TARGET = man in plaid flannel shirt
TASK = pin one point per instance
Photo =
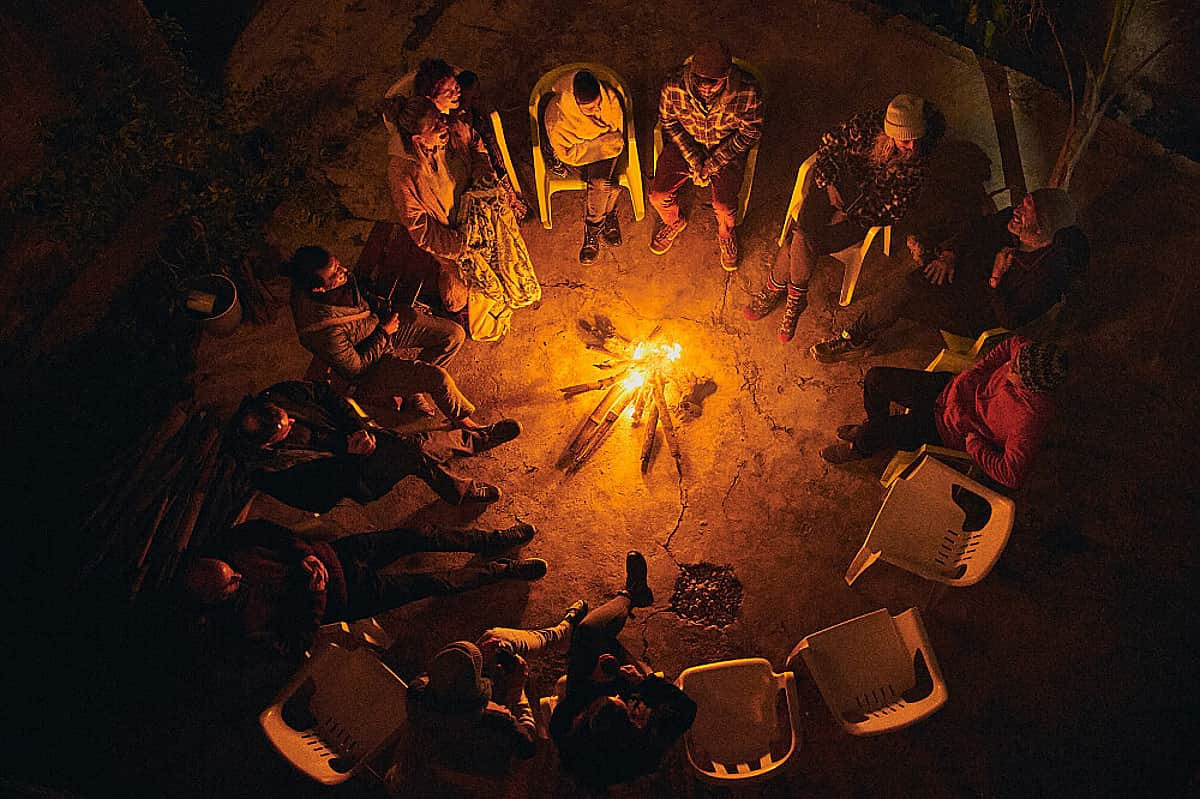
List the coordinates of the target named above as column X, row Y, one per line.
column 711, row 115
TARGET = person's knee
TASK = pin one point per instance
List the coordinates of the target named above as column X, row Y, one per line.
column 455, row 337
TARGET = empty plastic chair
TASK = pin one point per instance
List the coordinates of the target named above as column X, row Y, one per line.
column 939, row 524
column 852, row 257
column 343, row 708
column 629, row 166
column 732, row 739
column 877, row 673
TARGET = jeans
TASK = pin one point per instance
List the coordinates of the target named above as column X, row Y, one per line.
column 811, row 237
column 391, row 376
column 597, row 635
column 673, row 171
column 914, row 389
column 603, row 189
column 369, row 591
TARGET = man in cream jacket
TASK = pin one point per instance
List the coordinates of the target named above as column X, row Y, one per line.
column 585, row 126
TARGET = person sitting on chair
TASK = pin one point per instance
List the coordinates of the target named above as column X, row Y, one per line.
column 711, row 115
column 585, row 125
column 273, row 589
column 339, row 327
column 998, row 410
column 1005, row 270
column 868, row 172
column 309, row 448
column 617, row 718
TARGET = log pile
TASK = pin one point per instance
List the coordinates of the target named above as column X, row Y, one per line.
column 176, row 488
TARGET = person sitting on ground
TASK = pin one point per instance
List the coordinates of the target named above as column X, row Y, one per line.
column 585, row 125
column 1005, row 270
column 711, row 115
column 868, row 172
column 468, row 722
column 617, row 719
column 272, row 589
column 459, row 96
column 338, row 326
column 444, row 190
column 309, row 448
column 998, row 410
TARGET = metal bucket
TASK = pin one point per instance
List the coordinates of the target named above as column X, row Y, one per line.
column 213, row 301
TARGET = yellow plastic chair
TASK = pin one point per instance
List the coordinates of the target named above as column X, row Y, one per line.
column 357, row 706
column 868, row 671
column 404, row 88
column 737, row 720
column 751, row 157
column 902, row 462
column 922, row 527
column 854, row 255
column 629, row 166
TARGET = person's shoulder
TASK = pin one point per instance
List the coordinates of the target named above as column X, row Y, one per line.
column 674, row 78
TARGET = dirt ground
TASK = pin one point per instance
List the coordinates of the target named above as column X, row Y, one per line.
column 1068, row 667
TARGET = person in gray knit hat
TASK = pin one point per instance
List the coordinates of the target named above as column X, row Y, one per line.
column 1004, row 270
column 998, row 410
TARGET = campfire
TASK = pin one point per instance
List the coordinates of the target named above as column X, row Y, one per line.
column 638, row 381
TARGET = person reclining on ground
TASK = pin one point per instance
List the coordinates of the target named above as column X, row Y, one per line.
column 309, row 448
column 617, row 719
column 1004, row 270
column 271, row 588
column 467, row 722
column 998, row 410
column 585, row 126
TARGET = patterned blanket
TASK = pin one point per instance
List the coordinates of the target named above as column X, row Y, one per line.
column 496, row 262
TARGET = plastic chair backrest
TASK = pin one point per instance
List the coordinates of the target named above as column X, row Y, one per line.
column 860, row 665
column 359, row 703
column 735, row 716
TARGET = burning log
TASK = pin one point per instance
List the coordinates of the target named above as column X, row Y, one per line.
column 639, row 405
column 595, row 385
column 604, row 428
column 664, row 414
column 651, row 429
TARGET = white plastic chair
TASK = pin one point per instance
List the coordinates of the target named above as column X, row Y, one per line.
column 866, row 666
column 628, row 163
column 737, row 719
column 923, row 529
column 404, row 88
column 854, row 255
column 751, row 157
column 358, row 707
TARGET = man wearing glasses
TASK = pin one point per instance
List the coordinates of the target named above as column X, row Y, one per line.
column 711, row 115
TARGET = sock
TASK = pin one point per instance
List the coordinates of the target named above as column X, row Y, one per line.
column 773, row 286
column 796, row 292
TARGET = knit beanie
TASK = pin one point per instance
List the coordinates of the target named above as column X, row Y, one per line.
column 1042, row 367
column 456, row 677
column 905, row 118
column 711, row 60
column 1054, row 210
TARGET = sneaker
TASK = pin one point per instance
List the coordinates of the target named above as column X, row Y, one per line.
column 636, row 587
column 486, row 542
column 666, row 236
column 523, row 569
column 837, row 454
column 610, row 229
column 729, row 252
column 591, row 243
column 849, row 432
column 480, row 492
column 496, row 434
column 836, row 349
column 575, row 613
column 796, row 303
column 763, row 303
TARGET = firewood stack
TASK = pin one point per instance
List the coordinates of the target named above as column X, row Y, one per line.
column 176, row 488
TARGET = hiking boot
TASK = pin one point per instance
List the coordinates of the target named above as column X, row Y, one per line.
column 480, row 492
column 729, row 252
column 837, row 349
column 610, row 229
column 849, row 432
column 796, row 303
column 496, row 434
column 666, row 236
column 837, row 454
column 763, row 303
column 576, row 613
column 554, row 165
column 486, row 542
column 591, row 243
column 524, row 569
column 636, row 587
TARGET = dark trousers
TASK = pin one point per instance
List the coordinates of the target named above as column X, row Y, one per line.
column 914, row 389
column 812, row 236
column 673, row 171
column 422, row 455
column 369, row 591
column 597, row 635
column 602, row 189
column 437, row 338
